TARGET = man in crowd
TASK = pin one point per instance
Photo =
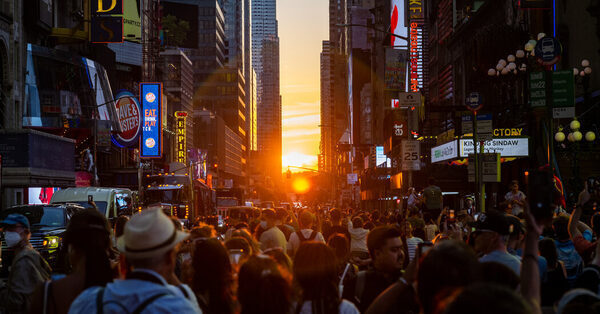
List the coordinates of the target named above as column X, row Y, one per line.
column 28, row 268
column 282, row 216
column 272, row 236
column 433, row 200
column 412, row 242
column 149, row 243
column 336, row 224
column 515, row 198
column 306, row 233
column 491, row 238
column 385, row 248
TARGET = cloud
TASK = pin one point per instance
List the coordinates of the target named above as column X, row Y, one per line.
column 299, row 88
column 300, row 132
column 310, row 120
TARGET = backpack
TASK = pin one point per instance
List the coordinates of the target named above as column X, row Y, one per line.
column 100, row 303
column 301, row 237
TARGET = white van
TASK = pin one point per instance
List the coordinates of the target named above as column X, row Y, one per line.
column 111, row 202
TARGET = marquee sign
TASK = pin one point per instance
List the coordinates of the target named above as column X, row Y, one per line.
column 151, row 140
column 180, row 149
column 128, row 113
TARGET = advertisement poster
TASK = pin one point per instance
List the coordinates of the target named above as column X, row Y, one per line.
column 151, row 141
column 395, row 69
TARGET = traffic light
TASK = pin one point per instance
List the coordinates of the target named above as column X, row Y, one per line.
column 216, row 165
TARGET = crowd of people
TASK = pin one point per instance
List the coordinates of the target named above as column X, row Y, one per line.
column 419, row 260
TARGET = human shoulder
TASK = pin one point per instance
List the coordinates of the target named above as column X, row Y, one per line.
column 347, row 307
column 85, row 301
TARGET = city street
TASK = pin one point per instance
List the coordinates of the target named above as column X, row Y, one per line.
column 299, row 156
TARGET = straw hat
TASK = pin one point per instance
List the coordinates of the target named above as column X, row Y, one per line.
column 148, row 234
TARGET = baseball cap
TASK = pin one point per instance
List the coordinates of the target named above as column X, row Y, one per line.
column 516, row 226
column 494, row 220
column 14, row 219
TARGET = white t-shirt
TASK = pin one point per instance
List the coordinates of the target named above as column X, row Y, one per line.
column 516, row 209
column 294, row 242
column 273, row 238
column 346, row 307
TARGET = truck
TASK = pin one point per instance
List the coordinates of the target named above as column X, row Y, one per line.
column 229, row 197
column 178, row 195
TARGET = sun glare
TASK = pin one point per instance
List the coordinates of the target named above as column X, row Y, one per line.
column 298, row 160
column 301, row 185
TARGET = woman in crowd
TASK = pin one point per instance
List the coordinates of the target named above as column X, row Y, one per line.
column 263, row 287
column 212, row 279
column 555, row 284
column 315, row 273
column 88, row 241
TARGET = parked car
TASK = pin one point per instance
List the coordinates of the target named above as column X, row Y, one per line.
column 48, row 226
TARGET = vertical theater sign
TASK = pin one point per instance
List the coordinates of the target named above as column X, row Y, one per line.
column 418, row 36
column 181, row 149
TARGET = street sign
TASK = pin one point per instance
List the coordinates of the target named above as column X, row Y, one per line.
column 352, row 178
column 537, row 89
column 507, row 147
column 395, row 103
column 444, row 152
column 490, row 165
column 548, row 51
column 562, row 113
column 467, row 124
column 563, row 94
column 484, row 127
column 411, row 155
column 410, row 99
column 473, row 101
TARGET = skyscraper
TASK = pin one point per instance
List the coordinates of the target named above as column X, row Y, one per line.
column 327, row 118
column 265, row 61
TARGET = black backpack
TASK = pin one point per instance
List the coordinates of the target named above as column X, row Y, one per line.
column 301, row 237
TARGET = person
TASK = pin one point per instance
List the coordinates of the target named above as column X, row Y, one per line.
column 315, row 272
column 272, row 236
column 263, row 287
column 306, row 233
column 119, row 227
column 469, row 206
column 412, row 242
column 566, row 249
column 431, row 229
column 281, row 218
column 149, row 245
column 515, row 198
column 433, row 200
column 88, row 240
column 336, row 224
column 28, row 268
column 341, row 247
column 491, row 237
column 555, row 283
column 212, row 278
column 413, row 198
column 358, row 238
column 584, row 246
column 385, row 248
column 281, row 258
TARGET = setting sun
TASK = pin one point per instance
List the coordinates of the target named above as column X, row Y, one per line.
column 301, row 185
column 298, row 160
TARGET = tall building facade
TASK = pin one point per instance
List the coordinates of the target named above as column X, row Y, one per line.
column 265, row 61
column 269, row 109
column 327, row 118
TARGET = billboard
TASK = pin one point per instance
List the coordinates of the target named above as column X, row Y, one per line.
column 507, row 147
column 180, row 141
column 395, row 69
column 107, row 7
column 132, row 24
column 444, row 152
column 128, row 113
column 107, row 29
column 151, row 141
column 397, row 22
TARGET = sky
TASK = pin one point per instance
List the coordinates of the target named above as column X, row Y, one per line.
column 303, row 25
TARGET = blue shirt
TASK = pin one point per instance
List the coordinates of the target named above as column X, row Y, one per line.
column 130, row 293
column 503, row 258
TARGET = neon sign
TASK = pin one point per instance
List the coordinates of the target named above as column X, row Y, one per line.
column 151, row 141
column 416, row 59
column 181, row 150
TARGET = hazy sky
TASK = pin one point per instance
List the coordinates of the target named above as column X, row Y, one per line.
column 303, row 25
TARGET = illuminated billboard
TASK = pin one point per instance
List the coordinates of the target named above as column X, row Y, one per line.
column 151, row 141
column 128, row 113
column 180, row 148
column 132, row 25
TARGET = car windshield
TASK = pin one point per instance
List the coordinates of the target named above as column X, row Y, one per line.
column 101, row 206
column 39, row 215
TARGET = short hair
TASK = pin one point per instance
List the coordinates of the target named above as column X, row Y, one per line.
column 340, row 245
column 378, row 237
column 560, row 225
column 306, row 218
column 357, row 222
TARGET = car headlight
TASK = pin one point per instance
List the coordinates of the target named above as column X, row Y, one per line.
column 51, row 242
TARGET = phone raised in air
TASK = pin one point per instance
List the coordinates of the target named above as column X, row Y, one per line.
column 422, row 248
column 540, row 195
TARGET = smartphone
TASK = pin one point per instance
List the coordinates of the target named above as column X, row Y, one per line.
column 90, row 198
column 540, row 195
column 422, row 248
column 235, row 256
column 451, row 217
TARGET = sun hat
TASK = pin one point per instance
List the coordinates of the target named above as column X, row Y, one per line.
column 148, row 234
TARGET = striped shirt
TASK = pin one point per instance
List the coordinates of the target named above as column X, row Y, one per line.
column 412, row 244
